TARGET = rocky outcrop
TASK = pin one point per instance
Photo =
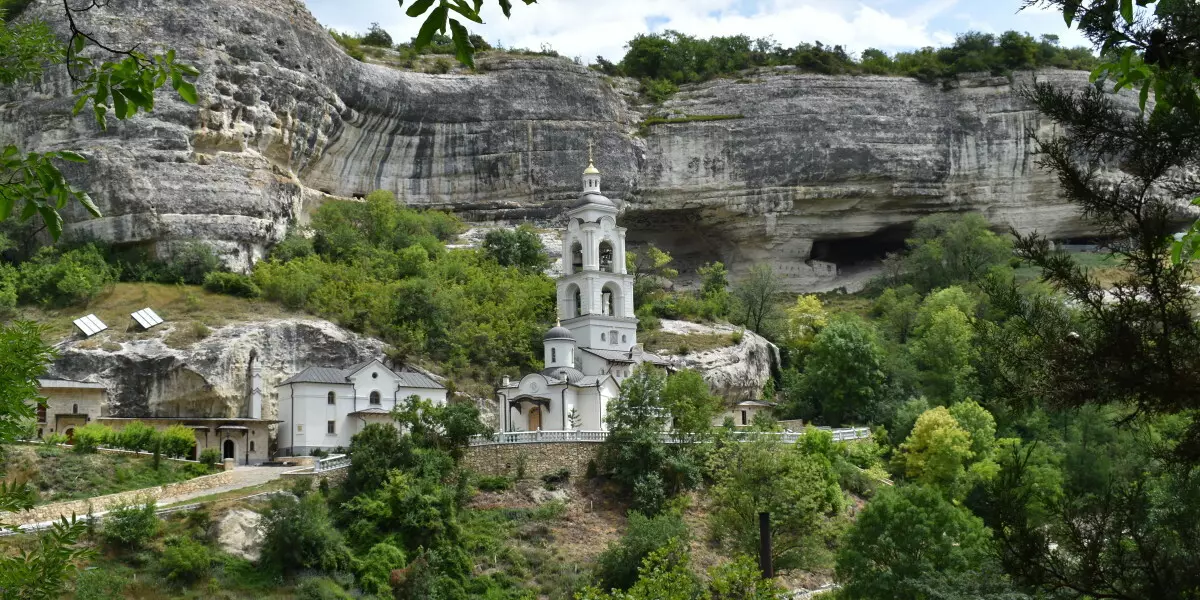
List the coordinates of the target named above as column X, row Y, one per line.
column 240, row 534
column 815, row 175
column 736, row 372
column 146, row 377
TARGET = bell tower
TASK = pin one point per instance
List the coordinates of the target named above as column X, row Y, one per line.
column 595, row 293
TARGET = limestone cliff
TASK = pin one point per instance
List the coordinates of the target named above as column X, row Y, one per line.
column 210, row 378
column 827, row 168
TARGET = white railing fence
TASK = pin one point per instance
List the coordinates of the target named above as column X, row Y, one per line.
column 597, row 436
column 331, row 463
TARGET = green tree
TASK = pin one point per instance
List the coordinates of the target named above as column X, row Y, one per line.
column 651, row 273
column 617, row 567
column 937, row 451
column 946, row 249
column 299, row 535
column 377, row 36
column 664, row 575
column 520, row 247
column 754, row 299
column 805, row 319
column 896, row 311
column 692, row 406
column 904, row 537
column 944, row 354
column 843, row 378
column 714, row 289
column 798, row 488
column 375, row 570
column 979, row 423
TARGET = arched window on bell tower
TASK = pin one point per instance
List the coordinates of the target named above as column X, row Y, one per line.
column 576, row 257
column 606, row 256
column 610, row 300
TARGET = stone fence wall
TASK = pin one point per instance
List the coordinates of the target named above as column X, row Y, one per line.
column 540, row 458
column 100, row 504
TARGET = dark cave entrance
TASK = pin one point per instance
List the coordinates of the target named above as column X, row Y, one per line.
column 862, row 250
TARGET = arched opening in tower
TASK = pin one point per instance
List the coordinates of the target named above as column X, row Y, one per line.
column 576, row 258
column 606, row 256
column 610, row 299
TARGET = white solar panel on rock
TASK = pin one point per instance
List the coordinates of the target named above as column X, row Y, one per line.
column 147, row 318
column 90, row 325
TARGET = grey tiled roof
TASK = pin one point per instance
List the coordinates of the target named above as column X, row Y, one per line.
column 317, row 375
column 358, row 367
column 70, row 385
column 589, row 380
column 626, row 356
column 412, row 379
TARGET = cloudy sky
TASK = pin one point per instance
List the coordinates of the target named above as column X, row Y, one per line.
column 587, row 28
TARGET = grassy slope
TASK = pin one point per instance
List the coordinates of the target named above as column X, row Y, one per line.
column 60, row 474
column 181, row 304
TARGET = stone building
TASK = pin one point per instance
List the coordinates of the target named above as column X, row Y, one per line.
column 323, row 407
column 246, row 440
column 742, row 414
column 69, row 404
column 594, row 347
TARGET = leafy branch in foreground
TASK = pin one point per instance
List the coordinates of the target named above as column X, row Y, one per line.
column 121, row 88
column 437, row 20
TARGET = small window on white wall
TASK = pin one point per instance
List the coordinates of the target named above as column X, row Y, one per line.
column 331, row 398
column 603, row 337
column 554, row 355
column 374, row 397
column 612, row 335
column 329, row 428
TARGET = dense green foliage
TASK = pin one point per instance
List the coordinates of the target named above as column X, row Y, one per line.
column 520, row 247
column 617, row 567
column 127, row 527
column 664, row 60
column 381, row 268
column 299, row 534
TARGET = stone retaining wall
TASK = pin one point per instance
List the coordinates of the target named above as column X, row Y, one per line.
column 540, row 458
column 99, row 504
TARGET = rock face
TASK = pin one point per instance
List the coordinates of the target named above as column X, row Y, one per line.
column 736, row 372
column 240, row 534
column 146, row 377
column 817, row 174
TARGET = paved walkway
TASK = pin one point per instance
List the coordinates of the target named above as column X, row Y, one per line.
column 243, row 477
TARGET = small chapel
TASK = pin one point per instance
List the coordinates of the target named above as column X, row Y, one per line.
column 594, row 347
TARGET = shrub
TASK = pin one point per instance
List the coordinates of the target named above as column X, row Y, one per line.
column 494, row 484
column 130, row 526
column 300, row 535
column 377, row 36
column 72, row 277
column 440, row 66
column 178, row 441
column 321, row 588
column 106, row 583
column 9, row 283
column 557, row 478
column 92, row 436
column 375, row 572
column 54, row 439
column 136, row 436
column 658, row 90
column 190, row 263
column 231, row 284
column 210, row 456
column 617, row 566
column 185, row 560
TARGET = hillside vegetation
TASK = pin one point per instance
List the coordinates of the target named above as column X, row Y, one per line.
column 60, row 474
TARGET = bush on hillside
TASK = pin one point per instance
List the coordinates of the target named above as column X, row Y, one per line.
column 375, row 570
column 65, row 278
column 130, row 526
column 210, row 457
column 301, row 536
column 185, row 560
column 617, row 567
column 92, row 436
column 107, row 583
column 10, row 281
column 377, row 36
column 136, row 436
column 189, row 263
column 231, row 284
column 321, row 588
column 178, row 441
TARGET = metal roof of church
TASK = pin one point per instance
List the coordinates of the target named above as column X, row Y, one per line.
column 626, row 356
column 405, row 379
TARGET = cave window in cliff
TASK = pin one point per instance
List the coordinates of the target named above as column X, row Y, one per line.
column 862, row 250
column 606, row 256
column 374, row 397
column 576, row 257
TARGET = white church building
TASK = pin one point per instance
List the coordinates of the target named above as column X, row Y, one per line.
column 322, row 407
column 594, row 347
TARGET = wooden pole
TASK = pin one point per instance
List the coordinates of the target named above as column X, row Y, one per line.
column 764, row 545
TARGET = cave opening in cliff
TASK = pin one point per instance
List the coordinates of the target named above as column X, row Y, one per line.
column 678, row 233
column 862, row 250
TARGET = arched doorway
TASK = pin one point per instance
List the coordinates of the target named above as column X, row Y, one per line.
column 70, row 436
column 230, row 451
column 535, row 418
